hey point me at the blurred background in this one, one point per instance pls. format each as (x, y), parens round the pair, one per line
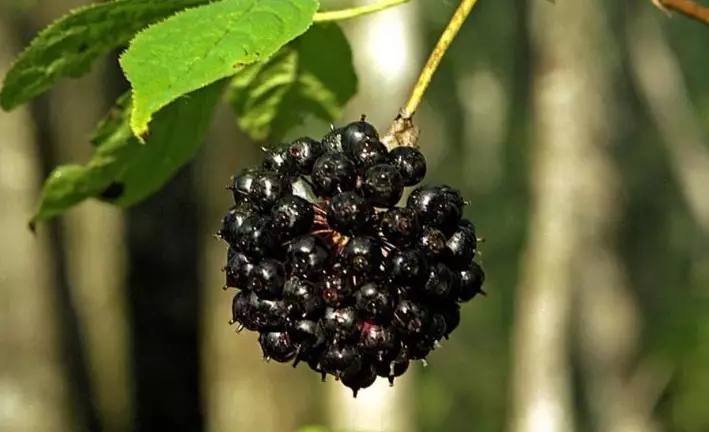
(579, 131)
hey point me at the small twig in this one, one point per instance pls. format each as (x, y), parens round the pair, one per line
(403, 132)
(687, 8)
(355, 12)
(434, 59)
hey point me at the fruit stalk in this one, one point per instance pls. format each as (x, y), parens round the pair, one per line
(444, 42)
(403, 132)
(356, 11)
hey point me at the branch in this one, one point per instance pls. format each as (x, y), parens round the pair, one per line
(355, 12)
(687, 8)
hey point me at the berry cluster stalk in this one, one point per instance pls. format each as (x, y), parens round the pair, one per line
(403, 132)
(357, 11)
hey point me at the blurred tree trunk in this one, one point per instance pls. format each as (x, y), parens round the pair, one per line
(93, 242)
(34, 392)
(386, 66)
(569, 253)
(242, 392)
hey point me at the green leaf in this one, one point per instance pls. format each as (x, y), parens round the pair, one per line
(69, 46)
(313, 75)
(201, 45)
(123, 171)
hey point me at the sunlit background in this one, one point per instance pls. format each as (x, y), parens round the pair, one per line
(578, 130)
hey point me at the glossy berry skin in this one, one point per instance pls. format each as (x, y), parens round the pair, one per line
(471, 282)
(437, 330)
(254, 238)
(264, 190)
(341, 360)
(400, 226)
(363, 378)
(340, 324)
(439, 207)
(308, 255)
(367, 153)
(277, 346)
(304, 151)
(356, 132)
(267, 279)
(307, 334)
(242, 184)
(410, 163)
(268, 314)
(462, 248)
(392, 369)
(302, 297)
(433, 244)
(451, 315)
(292, 216)
(233, 219)
(349, 213)
(238, 269)
(362, 255)
(333, 173)
(377, 340)
(332, 141)
(407, 267)
(383, 185)
(242, 312)
(439, 282)
(373, 302)
(278, 160)
(337, 289)
(411, 319)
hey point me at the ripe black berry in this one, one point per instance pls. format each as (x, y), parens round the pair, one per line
(340, 324)
(341, 360)
(383, 185)
(400, 226)
(277, 346)
(308, 255)
(268, 314)
(267, 279)
(349, 213)
(373, 302)
(363, 255)
(377, 340)
(471, 282)
(363, 378)
(242, 310)
(356, 132)
(462, 248)
(338, 289)
(331, 272)
(262, 189)
(238, 269)
(439, 282)
(332, 141)
(407, 266)
(367, 153)
(254, 238)
(304, 152)
(302, 297)
(278, 160)
(411, 319)
(410, 163)
(433, 243)
(231, 222)
(333, 173)
(292, 216)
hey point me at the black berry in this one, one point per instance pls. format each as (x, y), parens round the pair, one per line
(383, 185)
(333, 173)
(410, 163)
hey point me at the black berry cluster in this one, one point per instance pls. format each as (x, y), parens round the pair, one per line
(331, 273)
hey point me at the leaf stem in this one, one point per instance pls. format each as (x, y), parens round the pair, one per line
(434, 59)
(355, 12)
